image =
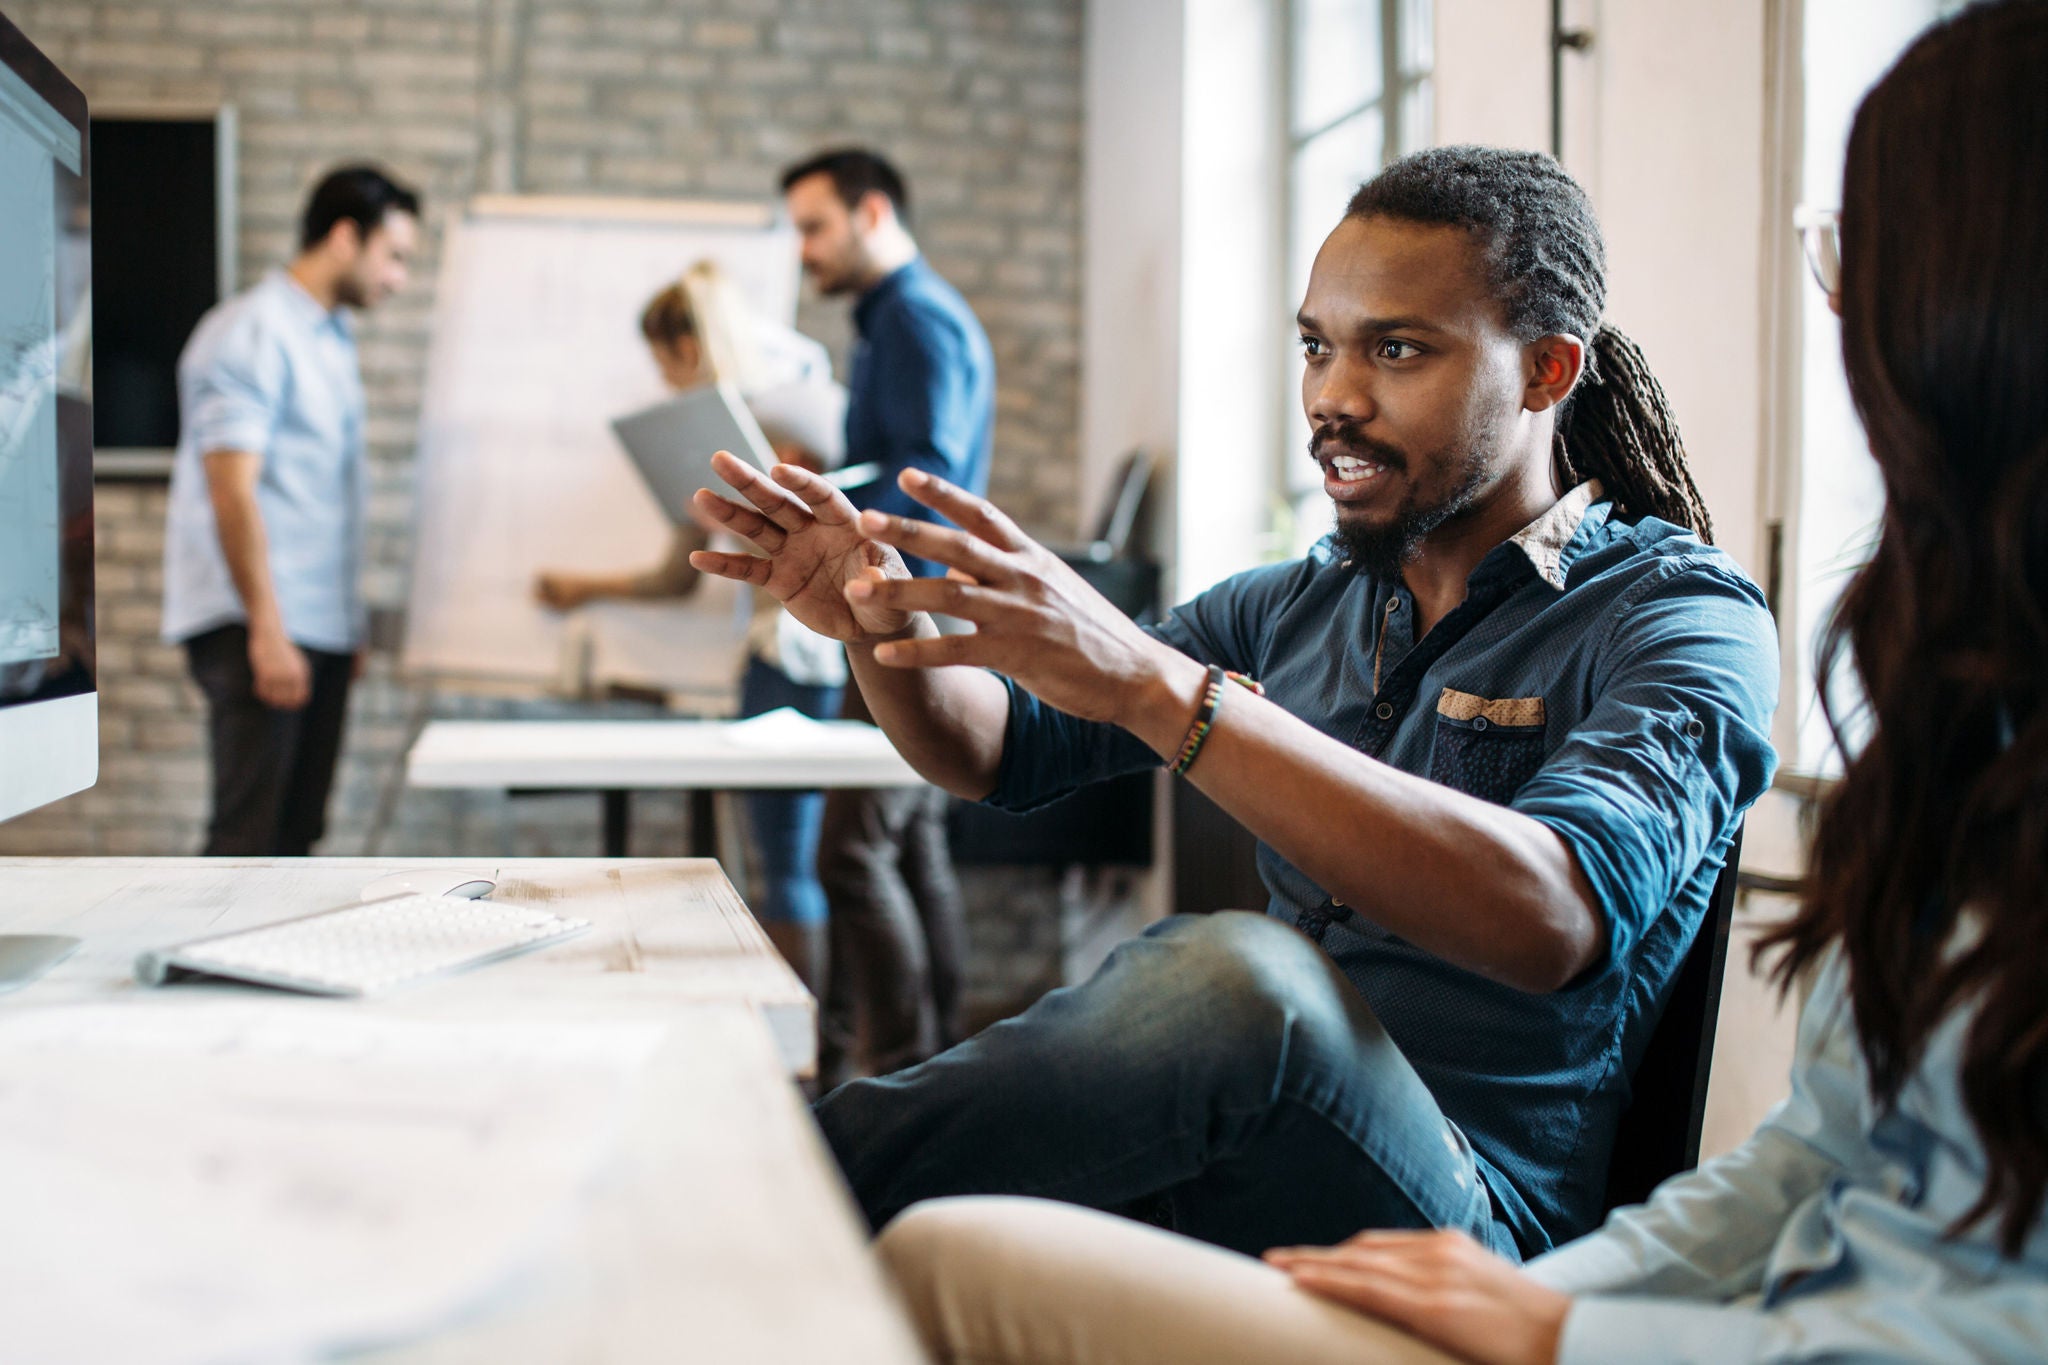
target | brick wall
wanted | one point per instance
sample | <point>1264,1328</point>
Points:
<point>978,100</point>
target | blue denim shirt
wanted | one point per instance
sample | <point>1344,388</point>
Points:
<point>1615,682</point>
<point>922,394</point>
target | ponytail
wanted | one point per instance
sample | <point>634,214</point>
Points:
<point>1617,427</point>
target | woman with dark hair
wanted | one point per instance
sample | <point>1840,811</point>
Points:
<point>1892,1207</point>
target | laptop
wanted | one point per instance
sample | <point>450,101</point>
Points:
<point>672,442</point>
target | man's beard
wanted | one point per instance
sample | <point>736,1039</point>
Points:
<point>350,292</point>
<point>1383,550</point>
<point>841,276</point>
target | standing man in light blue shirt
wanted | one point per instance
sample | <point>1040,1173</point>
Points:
<point>263,550</point>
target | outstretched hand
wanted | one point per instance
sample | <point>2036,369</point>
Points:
<point>1440,1286</point>
<point>811,549</point>
<point>1035,620</point>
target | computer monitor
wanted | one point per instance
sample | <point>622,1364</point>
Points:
<point>49,703</point>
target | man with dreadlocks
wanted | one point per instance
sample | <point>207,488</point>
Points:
<point>1513,710</point>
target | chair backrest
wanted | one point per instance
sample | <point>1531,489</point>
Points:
<point>1126,496</point>
<point>1659,1134</point>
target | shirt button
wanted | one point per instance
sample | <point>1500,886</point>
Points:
<point>1385,710</point>
<point>1694,729</point>
<point>1478,722</point>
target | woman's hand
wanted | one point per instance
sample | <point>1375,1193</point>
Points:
<point>1441,1287</point>
<point>563,591</point>
<point>811,549</point>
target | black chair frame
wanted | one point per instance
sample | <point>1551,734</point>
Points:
<point>1659,1134</point>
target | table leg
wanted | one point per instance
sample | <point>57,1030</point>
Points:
<point>703,824</point>
<point>618,821</point>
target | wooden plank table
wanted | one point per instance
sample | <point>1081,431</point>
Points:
<point>718,1230</point>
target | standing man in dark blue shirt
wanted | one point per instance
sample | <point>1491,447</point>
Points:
<point>1513,710</point>
<point>921,396</point>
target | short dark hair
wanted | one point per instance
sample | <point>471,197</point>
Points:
<point>856,172</point>
<point>362,194</point>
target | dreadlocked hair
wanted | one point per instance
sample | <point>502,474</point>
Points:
<point>1546,262</point>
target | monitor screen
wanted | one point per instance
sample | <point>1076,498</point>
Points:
<point>47,659</point>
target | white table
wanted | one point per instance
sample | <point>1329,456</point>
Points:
<point>617,757</point>
<point>719,1231</point>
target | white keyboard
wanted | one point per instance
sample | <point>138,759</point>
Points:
<point>359,949</point>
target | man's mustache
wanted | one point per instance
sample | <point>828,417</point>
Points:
<point>1344,438</point>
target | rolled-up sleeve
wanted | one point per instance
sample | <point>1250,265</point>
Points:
<point>236,391</point>
<point>1048,754</point>
<point>1676,743</point>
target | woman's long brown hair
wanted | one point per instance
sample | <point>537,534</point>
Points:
<point>1942,810</point>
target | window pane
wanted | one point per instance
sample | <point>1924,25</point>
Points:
<point>1337,59</point>
<point>1327,171</point>
<point>1418,113</point>
<point>1418,36</point>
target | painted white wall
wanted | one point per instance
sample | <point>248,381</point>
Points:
<point>1493,73</point>
<point>1664,128</point>
<point>1679,188</point>
<point>1133,150</point>
<point>1131,247</point>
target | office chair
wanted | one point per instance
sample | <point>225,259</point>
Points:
<point>1659,1134</point>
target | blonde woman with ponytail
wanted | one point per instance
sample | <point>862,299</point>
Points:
<point>699,330</point>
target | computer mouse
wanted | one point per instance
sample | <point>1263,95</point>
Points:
<point>469,883</point>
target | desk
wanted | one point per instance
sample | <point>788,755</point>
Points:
<point>718,1231</point>
<point>618,757</point>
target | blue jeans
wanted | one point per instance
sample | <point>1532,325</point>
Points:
<point>1218,1073</point>
<point>783,825</point>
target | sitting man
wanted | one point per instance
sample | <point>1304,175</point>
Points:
<point>1514,709</point>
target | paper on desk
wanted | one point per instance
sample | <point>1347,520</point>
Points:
<point>225,1183</point>
<point>786,730</point>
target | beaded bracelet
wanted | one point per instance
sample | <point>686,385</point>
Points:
<point>1205,716</point>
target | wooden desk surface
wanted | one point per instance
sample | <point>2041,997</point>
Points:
<point>666,932</point>
<point>619,754</point>
<point>718,1230</point>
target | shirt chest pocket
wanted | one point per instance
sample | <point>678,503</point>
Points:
<point>1486,746</point>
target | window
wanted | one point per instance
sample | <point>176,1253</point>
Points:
<point>1837,499</point>
<point>1357,96</point>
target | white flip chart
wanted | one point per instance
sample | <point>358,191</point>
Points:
<point>535,348</point>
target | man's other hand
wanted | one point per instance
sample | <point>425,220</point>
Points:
<point>561,591</point>
<point>1035,620</point>
<point>283,678</point>
<point>810,549</point>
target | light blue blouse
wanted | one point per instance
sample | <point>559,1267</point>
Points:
<point>1821,1238</point>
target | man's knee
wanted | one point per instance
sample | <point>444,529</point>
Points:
<point>1256,970</point>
